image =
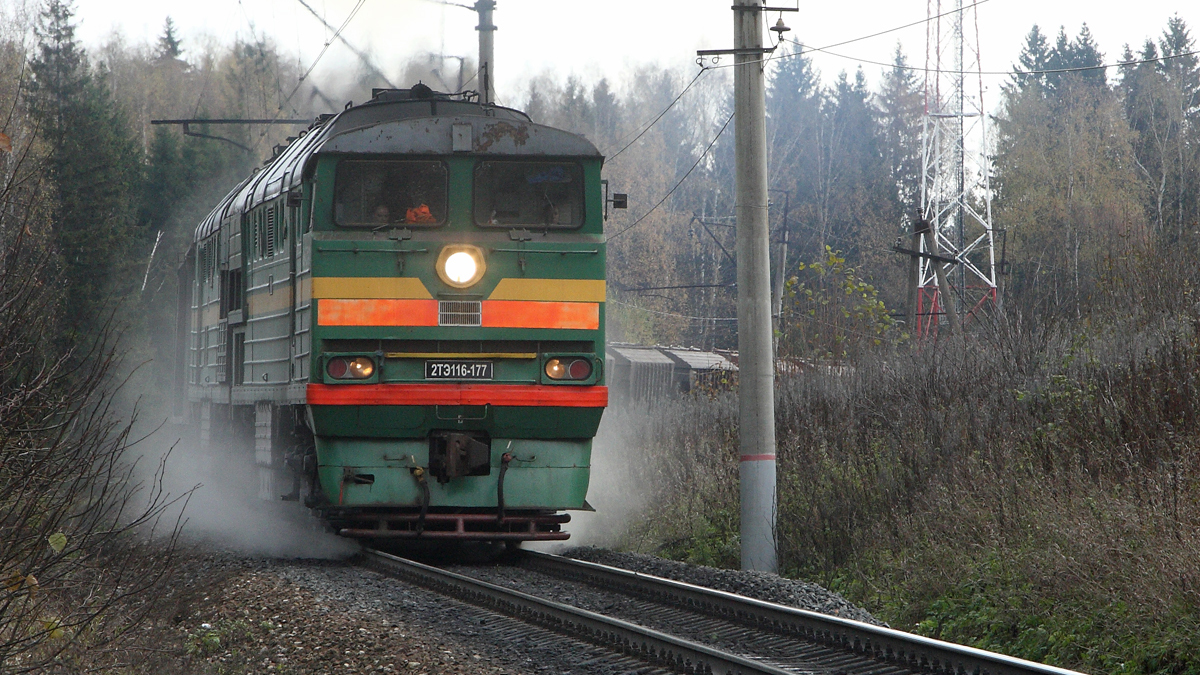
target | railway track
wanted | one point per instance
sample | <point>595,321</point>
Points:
<point>692,629</point>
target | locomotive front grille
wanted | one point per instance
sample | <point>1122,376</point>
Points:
<point>460,313</point>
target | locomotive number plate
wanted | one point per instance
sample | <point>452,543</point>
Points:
<point>458,370</point>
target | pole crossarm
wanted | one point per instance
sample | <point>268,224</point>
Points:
<point>929,256</point>
<point>723,52</point>
<point>231,121</point>
<point>187,129</point>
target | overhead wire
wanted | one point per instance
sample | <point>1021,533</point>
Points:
<point>681,180</point>
<point>640,289</point>
<point>825,50</point>
<point>704,69</point>
<point>325,48</point>
<point>329,42</point>
<point>777,57</point>
<point>363,57</point>
<point>1043,71</point>
<point>809,317</point>
<point>658,117</point>
<point>674,314</point>
<point>898,28</point>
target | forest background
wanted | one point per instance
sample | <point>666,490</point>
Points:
<point>1030,486</point>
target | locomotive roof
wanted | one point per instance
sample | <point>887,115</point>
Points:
<point>397,122</point>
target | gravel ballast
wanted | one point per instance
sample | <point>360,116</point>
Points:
<point>697,627</point>
<point>757,585</point>
<point>237,613</point>
<point>304,617</point>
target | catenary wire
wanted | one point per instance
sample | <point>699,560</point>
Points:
<point>825,50</point>
<point>676,187</point>
<point>1045,71</point>
<point>325,48</point>
<point>907,25</point>
<point>704,69</point>
<point>640,289</point>
<point>364,58</point>
<point>650,125</point>
<point>777,57</point>
<point>674,314</point>
<point>808,317</point>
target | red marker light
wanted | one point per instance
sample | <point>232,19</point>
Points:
<point>337,368</point>
<point>579,369</point>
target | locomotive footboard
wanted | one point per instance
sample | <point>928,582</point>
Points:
<point>511,526</point>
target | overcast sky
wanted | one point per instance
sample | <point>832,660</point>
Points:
<point>607,37</point>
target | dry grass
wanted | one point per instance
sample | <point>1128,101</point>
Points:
<point>1029,490</point>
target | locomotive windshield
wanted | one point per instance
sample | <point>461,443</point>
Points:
<point>374,193</point>
<point>539,194</point>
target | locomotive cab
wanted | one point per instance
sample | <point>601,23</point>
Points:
<point>408,302</point>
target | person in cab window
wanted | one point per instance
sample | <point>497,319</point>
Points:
<point>381,214</point>
<point>420,213</point>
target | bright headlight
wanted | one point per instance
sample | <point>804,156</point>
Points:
<point>461,265</point>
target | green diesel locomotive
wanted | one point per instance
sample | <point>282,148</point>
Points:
<point>404,309</point>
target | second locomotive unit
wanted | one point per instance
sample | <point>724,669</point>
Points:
<point>405,310</point>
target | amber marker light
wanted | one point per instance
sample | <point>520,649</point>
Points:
<point>461,265</point>
<point>556,369</point>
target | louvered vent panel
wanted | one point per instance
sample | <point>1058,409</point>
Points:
<point>270,232</point>
<point>460,313</point>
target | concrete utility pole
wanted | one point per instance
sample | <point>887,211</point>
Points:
<point>487,50</point>
<point>756,368</point>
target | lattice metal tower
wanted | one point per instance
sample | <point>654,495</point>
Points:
<point>956,197</point>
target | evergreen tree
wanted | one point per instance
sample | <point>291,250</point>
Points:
<point>165,184</point>
<point>900,107</point>
<point>60,71</point>
<point>794,102</point>
<point>1162,104</point>
<point>1044,65</point>
<point>1065,183</point>
<point>608,113</point>
<point>94,165</point>
<point>169,45</point>
<point>1180,65</point>
<point>1034,59</point>
<point>1083,52</point>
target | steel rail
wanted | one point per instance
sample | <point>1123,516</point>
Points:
<point>886,644</point>
<point>649,645</point>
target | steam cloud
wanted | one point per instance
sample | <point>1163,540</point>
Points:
<point>224,510</point>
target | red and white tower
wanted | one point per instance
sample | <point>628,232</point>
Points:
<point>956,196</point>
